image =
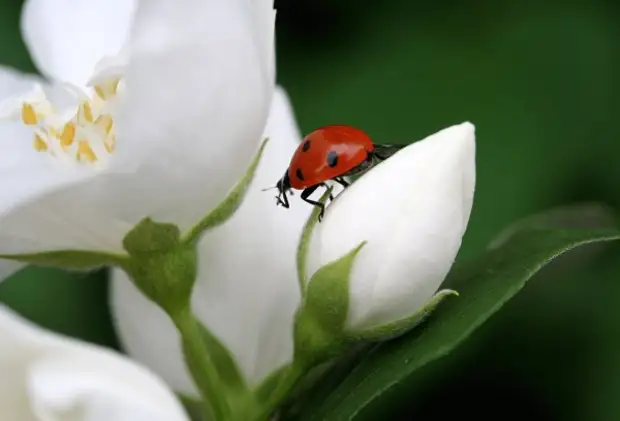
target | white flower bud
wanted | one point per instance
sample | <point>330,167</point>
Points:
<point>412,210</point>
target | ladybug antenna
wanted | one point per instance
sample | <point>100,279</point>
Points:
<point>270,188</point>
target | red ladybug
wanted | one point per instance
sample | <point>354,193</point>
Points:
<point>329,153</point>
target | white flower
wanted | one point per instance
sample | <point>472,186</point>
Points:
<point>50,377</point>
<point>412,209</point>
<point>164,131</point>
<point>246,292</point>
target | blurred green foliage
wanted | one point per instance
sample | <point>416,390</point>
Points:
<point>540,81</point>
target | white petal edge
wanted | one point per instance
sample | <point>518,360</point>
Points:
<point>197,101</point>
<point>66,38</point>
<point>246,291</point>
<point>413,210</point>
<point>264,20</point>
<point>52,377</point>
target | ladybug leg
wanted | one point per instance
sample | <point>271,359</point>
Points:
<point>305,195</point>
<point>331,196</point>
<point>342,182</point>
<point>282,200</point>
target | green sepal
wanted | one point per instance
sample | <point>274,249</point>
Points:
<point>231,202</point>
<point>159,265</point>
<point>304,242</point>
<point>399,327</point>
<point>167,278</point>
<point>68,259</point>
<point>320,321</point>
<point>149,236</point>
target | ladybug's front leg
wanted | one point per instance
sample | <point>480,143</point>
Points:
<point>340,180</point>
<point>305,195</point>
<point>282,199</point>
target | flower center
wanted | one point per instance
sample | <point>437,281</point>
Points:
<point>81,134</point>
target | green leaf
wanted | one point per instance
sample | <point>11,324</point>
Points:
<point>484,285</point>
<point>231,202</point>
<point>68,259</point>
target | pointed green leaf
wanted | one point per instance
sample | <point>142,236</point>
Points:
<point>484,285</point>
<point>319,323</point>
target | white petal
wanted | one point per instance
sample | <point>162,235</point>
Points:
<point>66,38</point>
<point>197,103</point>
<point>413,210</point>
<point>196,109</point>
<point>25,174</point>
<point>247,290</point>
<point>264,21</point>
<point>14,82</point>
<point>46,376</point>
<point>59,208</point>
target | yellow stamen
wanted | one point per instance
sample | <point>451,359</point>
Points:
<point>39,144</point>
<point>100,92</point>
<point>86,112</point>
<point>104,122</point>
<point>84,151</point>
<point>110,144</point>
<point>107,89</point>
<point>68,134</point>
<point>29,116</point>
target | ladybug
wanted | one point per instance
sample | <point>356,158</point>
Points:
<point>329,153</point>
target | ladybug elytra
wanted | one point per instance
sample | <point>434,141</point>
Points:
<point>329,153</point>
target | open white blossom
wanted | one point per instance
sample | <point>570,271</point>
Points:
<point>50,377</point>
<point>177,105</point>
<point>412,210</point>
<point>165,128</point>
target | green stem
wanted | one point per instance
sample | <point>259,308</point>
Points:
<point>277,397</point>
<point>200,365</point>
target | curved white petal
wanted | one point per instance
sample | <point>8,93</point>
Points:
<point>247,290</point>
<point>46,376</point>
<point>58,208</point>
<point>413,210</point>
<point>264,20</point>
<point>66,38</point>
<point>197,101</point>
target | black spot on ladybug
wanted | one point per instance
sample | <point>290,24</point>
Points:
<point>299,174</point>
<point>305,146</point>
<point>332,158</point>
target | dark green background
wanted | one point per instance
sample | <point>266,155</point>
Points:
<point>540,81</point>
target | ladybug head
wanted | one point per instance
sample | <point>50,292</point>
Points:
<point>283,185</point>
